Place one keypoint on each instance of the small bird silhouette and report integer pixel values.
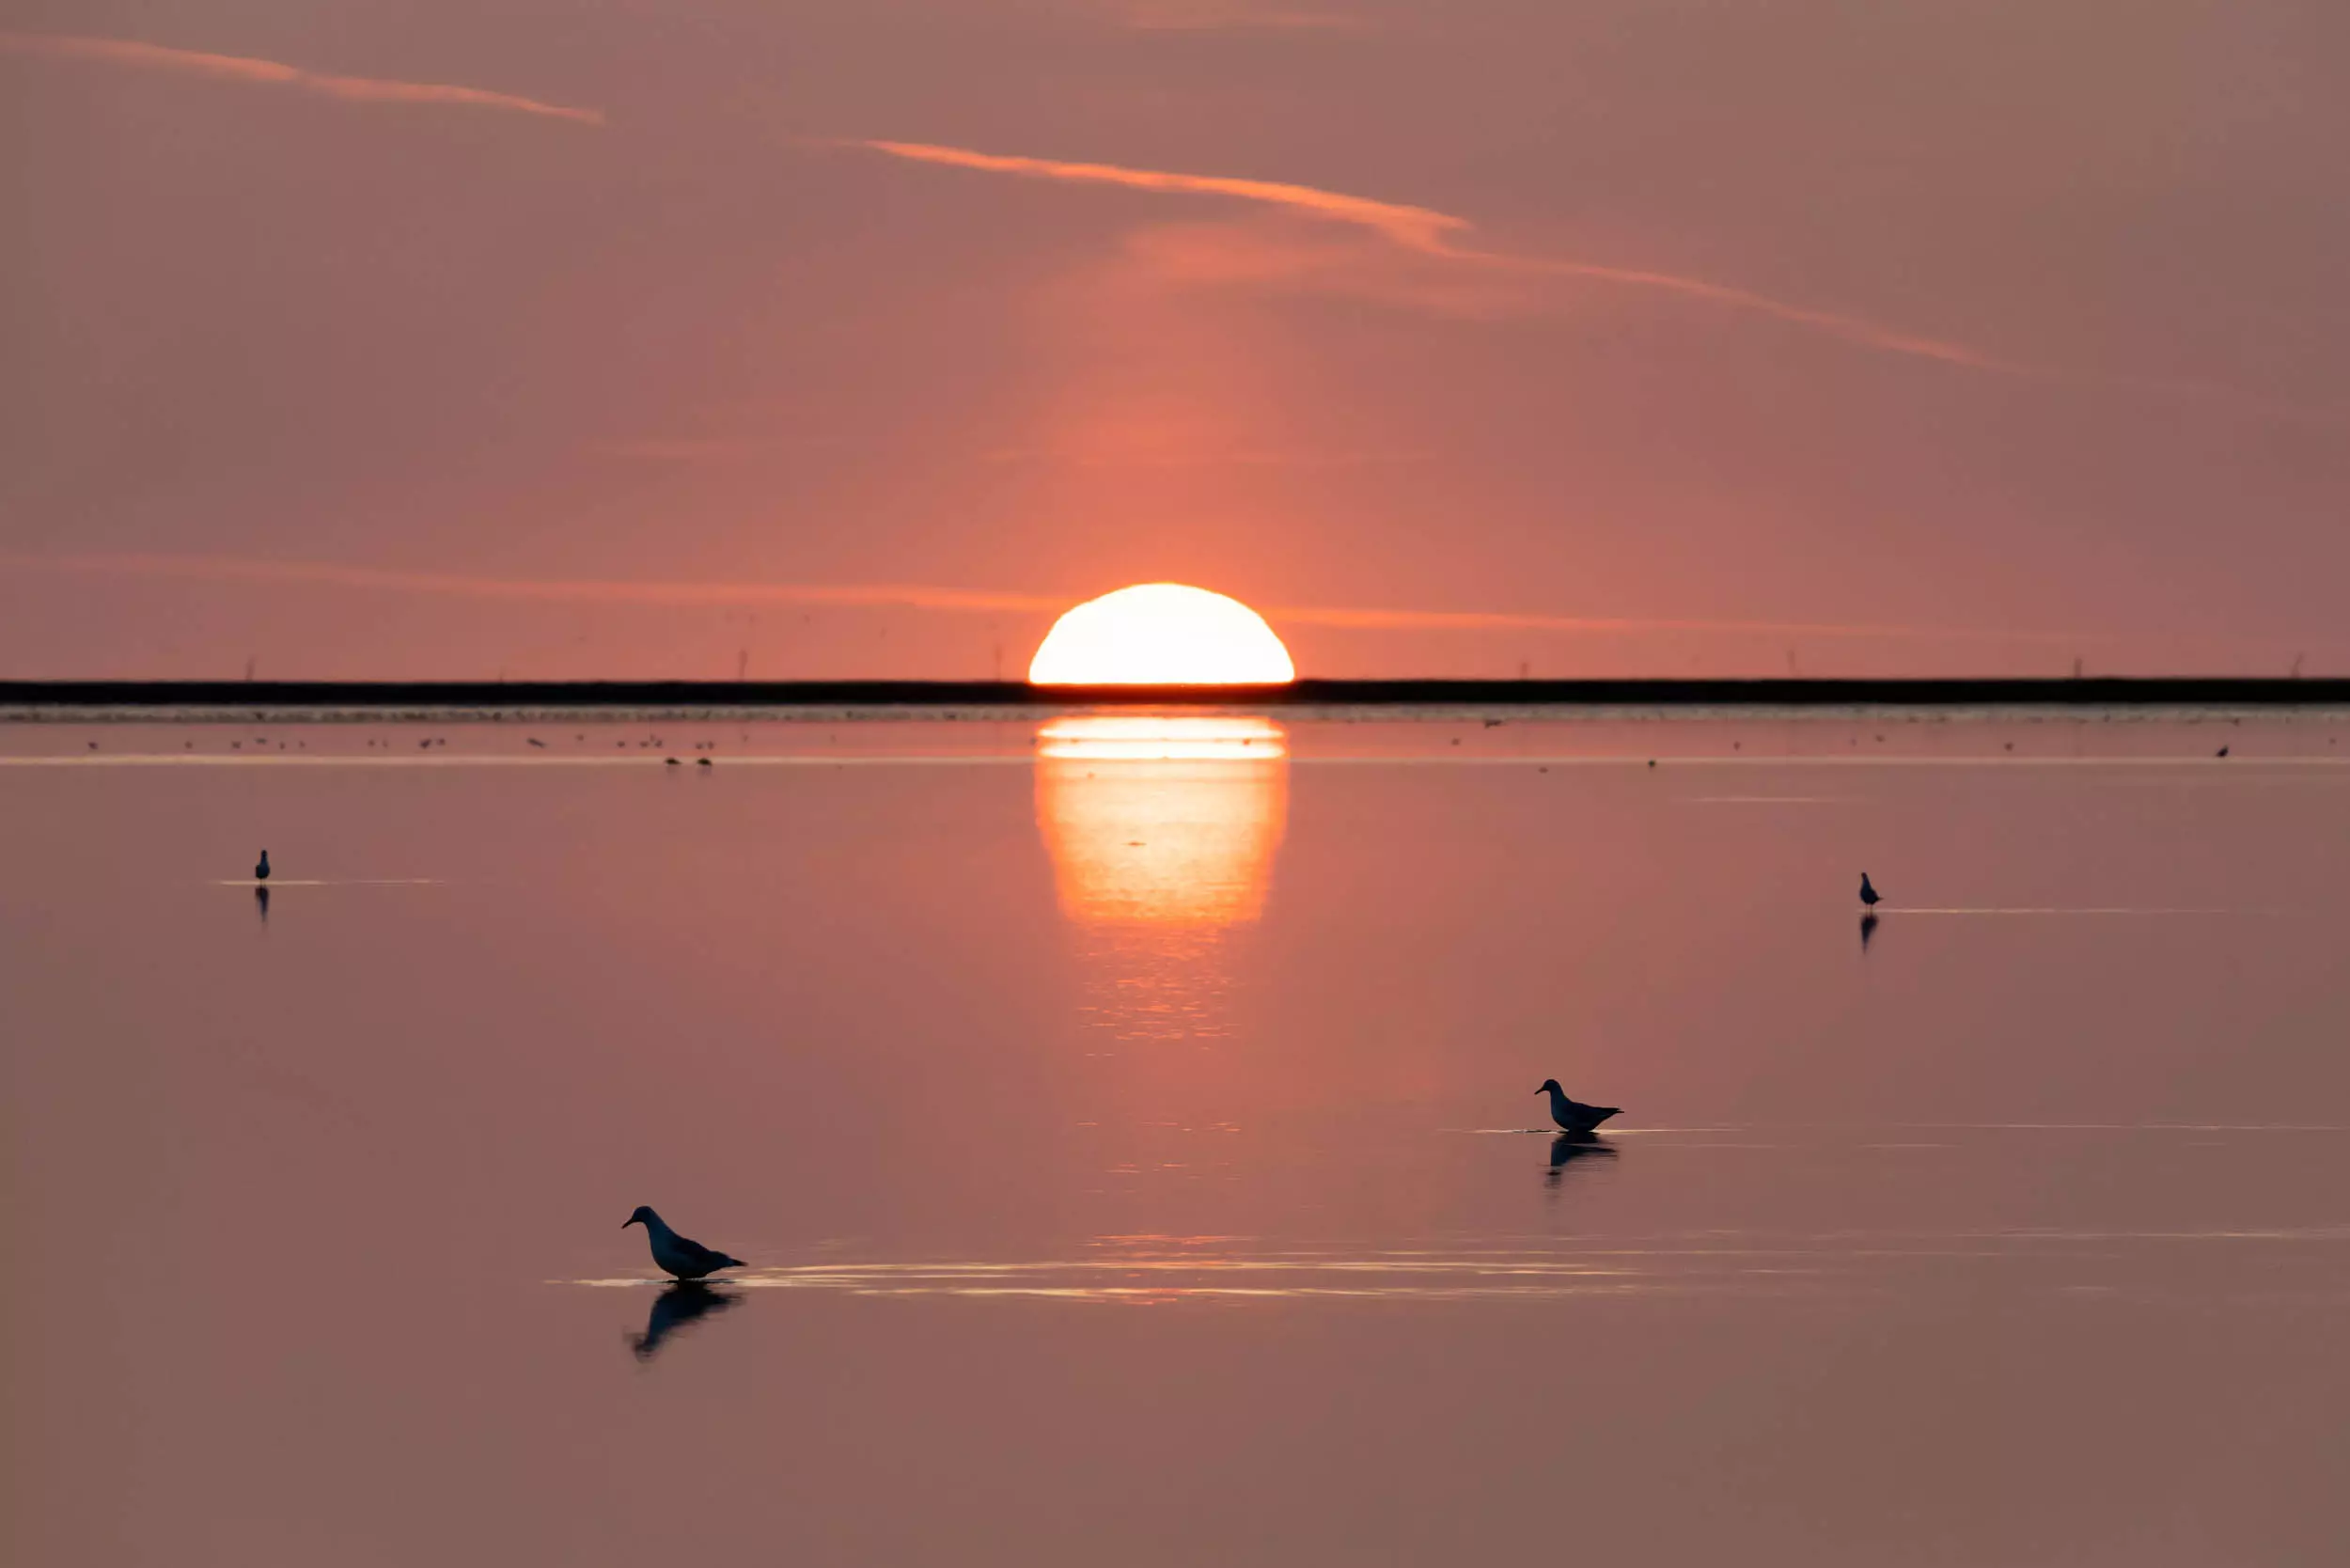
(680, 1255)
(1573, 1115)
(1868, 894)
(260, 872)
(2222, 752)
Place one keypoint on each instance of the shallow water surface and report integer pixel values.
(1132, 1132)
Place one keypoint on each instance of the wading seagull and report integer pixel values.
(260, 872)
(1574, 1115)
(1868, 894)
(679, 1255)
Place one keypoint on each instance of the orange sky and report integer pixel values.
(1601, 336)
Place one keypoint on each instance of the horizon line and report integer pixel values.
(24, 696)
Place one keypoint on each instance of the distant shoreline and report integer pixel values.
(292, 699)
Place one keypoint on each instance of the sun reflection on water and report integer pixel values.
(1162, 833)
(1162, 821)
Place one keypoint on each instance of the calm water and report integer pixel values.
(1133, 1146)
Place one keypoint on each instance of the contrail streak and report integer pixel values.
(1413, 228)
(242, 67)
(1429, 233)
(1425, 232)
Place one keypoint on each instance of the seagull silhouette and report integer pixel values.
(1868, 894)
(1574, 1115)
(260, 872)
(680, 1255)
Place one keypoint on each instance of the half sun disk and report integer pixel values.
(1161, 634)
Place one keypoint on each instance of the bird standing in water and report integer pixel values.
(680, 1255)
(260, 872)
(1573, 1115)
(1868, 894)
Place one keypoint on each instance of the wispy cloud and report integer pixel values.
(1264, 251)
(920, 596)
(1481, 621)
(1508, 281)
(575, 591)
(241, 68)
(1413, 228)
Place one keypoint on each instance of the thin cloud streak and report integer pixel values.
(1413, 228)
(918, 596)
(1479, 621)
(1428, 232)
(573, 590)
(241, 68)
(1424, 231)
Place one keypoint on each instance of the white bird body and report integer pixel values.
(682, 1256)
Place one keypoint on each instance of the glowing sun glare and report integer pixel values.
(1161, 634)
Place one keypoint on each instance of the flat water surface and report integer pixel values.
(1133, 1130)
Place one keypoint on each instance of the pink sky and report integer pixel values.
(1607, 336)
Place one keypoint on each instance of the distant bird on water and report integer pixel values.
(260, 872)
(679, 1255)
(1573, 1115)
(1868, 894)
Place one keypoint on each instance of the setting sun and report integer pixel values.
(1161, 633)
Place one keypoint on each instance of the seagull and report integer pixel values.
(260, 872)
(1868, 894)
(676, 1254)
(1574, 1115)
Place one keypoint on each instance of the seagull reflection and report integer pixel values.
(1867, 929)
(1568, 1147)
(261, 902)
(684, 1303)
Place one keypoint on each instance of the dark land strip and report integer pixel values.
(384, 698)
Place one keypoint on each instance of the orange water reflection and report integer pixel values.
(1154, 821)
(1162, 833)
